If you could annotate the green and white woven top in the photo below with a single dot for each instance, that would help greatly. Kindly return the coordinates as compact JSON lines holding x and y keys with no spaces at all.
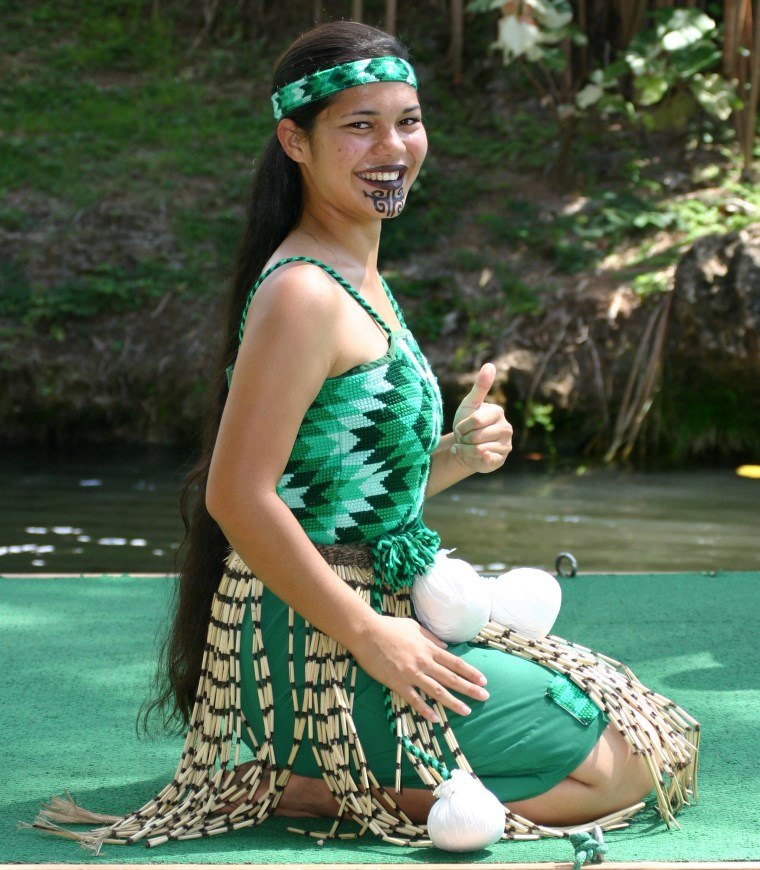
{"x":361,"y":458}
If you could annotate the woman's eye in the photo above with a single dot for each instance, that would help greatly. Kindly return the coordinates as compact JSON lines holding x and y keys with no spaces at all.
{"x":408,"y":122}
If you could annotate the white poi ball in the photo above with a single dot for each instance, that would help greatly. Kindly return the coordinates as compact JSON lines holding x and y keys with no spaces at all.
{"x":526,"y":600}
{"x":466,"y":816}
{"x":452,"y":599}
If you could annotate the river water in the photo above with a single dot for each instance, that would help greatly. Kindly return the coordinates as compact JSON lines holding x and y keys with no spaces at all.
{"x":117,"y":511}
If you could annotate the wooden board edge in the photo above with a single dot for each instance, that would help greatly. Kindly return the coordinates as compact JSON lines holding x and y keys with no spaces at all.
{"x":25,"y":575}
{"x":565,"y":865}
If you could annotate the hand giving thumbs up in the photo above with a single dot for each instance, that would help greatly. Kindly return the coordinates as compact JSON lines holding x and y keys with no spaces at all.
{"x":482,"y":434}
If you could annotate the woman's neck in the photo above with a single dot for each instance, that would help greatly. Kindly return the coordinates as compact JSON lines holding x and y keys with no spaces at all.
{"x":347,"y":243}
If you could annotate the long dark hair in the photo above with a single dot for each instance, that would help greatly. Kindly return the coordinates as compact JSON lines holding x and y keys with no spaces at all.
{"x":274,"y":208}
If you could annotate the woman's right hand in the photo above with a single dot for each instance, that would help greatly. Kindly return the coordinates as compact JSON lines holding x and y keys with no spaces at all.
{"x":406,"y":657}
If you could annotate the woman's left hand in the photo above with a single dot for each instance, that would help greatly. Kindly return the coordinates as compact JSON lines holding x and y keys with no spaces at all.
{"x":482,"y":434}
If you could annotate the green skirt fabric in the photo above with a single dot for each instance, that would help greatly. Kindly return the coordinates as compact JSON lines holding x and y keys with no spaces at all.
{"x":520,"y":742}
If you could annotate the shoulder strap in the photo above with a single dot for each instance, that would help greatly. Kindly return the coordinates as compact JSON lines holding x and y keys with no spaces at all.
{"x":329,"y":269}
{"x":396,"y":306}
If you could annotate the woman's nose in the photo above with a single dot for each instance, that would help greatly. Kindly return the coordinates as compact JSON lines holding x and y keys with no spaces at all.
{"x":389,"y":140}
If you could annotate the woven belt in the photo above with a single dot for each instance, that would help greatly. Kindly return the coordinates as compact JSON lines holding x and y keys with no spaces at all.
{"x":354,"y":555}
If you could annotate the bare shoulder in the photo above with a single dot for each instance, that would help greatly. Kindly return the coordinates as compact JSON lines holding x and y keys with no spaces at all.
{"x":293,"y":317}
{"x":297,"y":290}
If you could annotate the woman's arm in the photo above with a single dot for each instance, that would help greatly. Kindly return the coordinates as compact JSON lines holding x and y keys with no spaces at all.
{"x":446,"y":468}
{"x":290,"y":342}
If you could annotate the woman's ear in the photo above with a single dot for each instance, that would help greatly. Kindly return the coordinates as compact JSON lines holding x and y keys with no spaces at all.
{"x":293,"y":140}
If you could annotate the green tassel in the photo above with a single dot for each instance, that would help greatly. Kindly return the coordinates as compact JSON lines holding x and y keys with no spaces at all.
{"x":399,"y":556}
{"x":588,"y":848}
{"x":377,"y":603}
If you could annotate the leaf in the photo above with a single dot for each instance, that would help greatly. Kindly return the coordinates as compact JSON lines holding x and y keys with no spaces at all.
{"x":713,"y":94}
{"x":636,"y":62}
{"x":551,"y":15}
{"x":555,"y":59}
{"x":612,"y":104}
{"x":483,"y":5}
{"x":650,"y":89}
{"x":695,"y":58}
{"x":613,"y":72}
{"x":516,"y":38}
{"x":588,"y":96}
{"x":678,"y":28}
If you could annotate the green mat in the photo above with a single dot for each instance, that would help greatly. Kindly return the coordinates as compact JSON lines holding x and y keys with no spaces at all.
{"x":77,"y":654}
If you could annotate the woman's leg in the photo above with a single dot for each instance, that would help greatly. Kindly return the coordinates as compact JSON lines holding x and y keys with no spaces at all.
{"x":610,"y":778}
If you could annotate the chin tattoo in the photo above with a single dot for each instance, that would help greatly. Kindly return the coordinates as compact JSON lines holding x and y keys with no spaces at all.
{"x":388,"y":202}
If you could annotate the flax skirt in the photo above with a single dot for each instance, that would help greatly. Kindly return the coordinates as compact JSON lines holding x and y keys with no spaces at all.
{"x":550,"y":701}
{"x":520,"y":742}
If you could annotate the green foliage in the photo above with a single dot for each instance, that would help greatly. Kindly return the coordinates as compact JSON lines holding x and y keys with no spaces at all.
{"x":110,"y":36}
{"x":14,"y":219}
{"x":701,"y":214}
{"x":482,"y":313}
{"x":669,"y":66}
{"x":107,"y":289}
{"x":537,"y":39}
{"x":486,"y":313}
{"x":707,"y":416}
{"x":98,"y":97}
{"x":120,"y":40}
{"x":650,"y":284}
{"x":69,"y":143}
{"x":209,"y":239}
{"x":539,"y":416}
{"x":574,"y":242}
{"x":14,"y":287}
{"x":466,"y":259}
{"x":432,"y":301}
{"x":517,"y":297}
{"x":672,"y":66}
{"x":99,"y":102}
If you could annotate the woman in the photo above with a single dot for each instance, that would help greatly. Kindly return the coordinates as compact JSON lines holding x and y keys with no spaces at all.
{"x":323,"y":442}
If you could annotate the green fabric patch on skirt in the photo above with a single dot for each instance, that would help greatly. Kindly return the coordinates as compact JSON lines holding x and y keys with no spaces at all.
{"x":570,"y":697}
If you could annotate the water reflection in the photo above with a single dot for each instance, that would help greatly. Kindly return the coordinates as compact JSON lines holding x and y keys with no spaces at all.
{"x":118,"y":512}
{"x":109,"y":511}
{"x":610,"y":520}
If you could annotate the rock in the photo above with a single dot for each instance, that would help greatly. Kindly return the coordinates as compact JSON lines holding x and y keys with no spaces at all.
{"x":715,"y":316}
{"x":711,"y":375}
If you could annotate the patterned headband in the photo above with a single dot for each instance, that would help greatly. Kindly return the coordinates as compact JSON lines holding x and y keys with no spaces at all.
{"x":320,"y":84}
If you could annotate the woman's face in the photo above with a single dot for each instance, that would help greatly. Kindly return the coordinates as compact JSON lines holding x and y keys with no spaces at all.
{"x":366,"y":150}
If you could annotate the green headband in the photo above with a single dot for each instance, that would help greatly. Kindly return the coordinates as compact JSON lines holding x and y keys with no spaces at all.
{"x":320,"y":84}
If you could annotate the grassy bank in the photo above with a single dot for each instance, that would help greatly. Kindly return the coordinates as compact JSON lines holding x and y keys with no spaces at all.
{"x":125,"y":159}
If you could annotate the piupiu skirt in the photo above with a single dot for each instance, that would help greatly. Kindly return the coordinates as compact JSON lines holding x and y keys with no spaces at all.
{"x":550,"y":700}
{"x":520,"y":741}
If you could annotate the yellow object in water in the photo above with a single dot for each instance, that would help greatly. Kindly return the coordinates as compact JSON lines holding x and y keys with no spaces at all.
{"x":752,"y":471}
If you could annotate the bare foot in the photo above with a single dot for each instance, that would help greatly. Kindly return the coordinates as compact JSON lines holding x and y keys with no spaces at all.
{"x":309,"y":797}
{"x":304,"y":797}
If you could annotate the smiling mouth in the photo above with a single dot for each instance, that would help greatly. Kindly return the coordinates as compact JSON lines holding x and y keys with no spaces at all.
{"x":385,"y":179}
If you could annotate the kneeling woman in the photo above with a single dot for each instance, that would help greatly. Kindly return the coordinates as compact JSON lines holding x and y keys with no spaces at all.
{"x":294,"y":633}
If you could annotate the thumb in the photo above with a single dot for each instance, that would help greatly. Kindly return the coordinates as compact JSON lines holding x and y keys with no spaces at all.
{"x":483,"y":383}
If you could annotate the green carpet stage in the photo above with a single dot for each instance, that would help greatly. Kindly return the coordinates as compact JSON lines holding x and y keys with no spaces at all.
{"x":78,"y":652}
